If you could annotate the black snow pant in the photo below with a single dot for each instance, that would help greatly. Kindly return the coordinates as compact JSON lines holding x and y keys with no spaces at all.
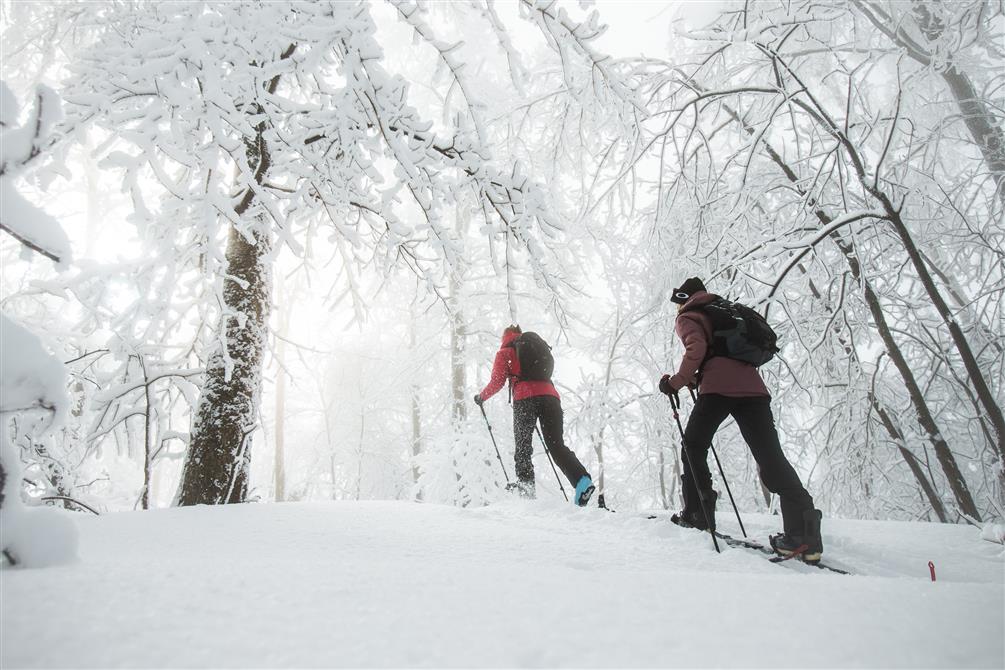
{"x":757,"y":426}
{"x":548,"y":410}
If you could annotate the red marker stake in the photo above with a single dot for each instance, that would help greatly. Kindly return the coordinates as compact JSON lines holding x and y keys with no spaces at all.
{"x":931,"y":569}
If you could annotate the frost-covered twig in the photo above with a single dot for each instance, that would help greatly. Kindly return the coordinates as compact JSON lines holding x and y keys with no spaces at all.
{"x":411,"y":12}
{"x":73,"y":501}
{"x":562,"y":31}
{"x":19,"y":146}
{"x":37,"y":248}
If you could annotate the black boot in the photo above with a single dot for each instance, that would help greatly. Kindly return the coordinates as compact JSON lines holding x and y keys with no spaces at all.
{"x":809,"y":546}
{"x":691,"y":516}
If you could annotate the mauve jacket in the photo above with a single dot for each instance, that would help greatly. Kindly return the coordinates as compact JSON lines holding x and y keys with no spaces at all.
{"x":507,"y":366}
{"x":721,"y":375}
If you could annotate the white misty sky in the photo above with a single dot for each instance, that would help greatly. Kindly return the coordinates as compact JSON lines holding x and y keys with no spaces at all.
{"x":645,"y":28}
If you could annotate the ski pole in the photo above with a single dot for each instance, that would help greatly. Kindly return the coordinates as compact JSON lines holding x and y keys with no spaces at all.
{"x":498,"y":455}
{"x":674,"y":403}
{"x":722,"y":474}
{"x":552,"y":461}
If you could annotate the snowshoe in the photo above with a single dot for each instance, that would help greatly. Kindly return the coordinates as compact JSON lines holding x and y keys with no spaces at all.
{"x":809,"y":546}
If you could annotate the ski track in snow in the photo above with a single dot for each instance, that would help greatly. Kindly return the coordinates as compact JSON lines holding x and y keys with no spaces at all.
{"x":515,"y":584}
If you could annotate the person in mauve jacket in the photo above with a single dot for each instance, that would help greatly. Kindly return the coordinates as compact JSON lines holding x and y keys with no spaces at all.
{"x":533,"y":401}
{"x":728,"y":387}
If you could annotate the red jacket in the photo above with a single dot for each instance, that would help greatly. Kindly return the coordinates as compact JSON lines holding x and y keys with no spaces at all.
{"x":720,"y":375}
{"x":507,"y":366}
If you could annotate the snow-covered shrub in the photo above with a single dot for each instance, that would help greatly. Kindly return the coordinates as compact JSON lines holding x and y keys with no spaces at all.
{"x":31,"y":380}
{"x":460,"y":467}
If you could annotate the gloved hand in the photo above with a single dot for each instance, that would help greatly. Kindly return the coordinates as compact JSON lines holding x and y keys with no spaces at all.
{"x":666,"y":388}
{"x":478,"y":399}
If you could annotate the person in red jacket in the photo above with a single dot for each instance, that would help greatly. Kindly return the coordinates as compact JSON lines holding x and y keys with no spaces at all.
{"x":728,"y":387}
{"x":534,"y":401}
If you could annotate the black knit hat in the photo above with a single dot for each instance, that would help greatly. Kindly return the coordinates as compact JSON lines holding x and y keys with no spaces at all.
{"x":687,"y":289}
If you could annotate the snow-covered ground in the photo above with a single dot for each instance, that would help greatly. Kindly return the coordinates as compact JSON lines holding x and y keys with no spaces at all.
{"x":513,"y":584}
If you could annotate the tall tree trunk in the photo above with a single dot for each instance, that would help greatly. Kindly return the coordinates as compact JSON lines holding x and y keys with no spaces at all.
{"x":925,"y":416}
{"x":458,"y":337}
{"x":598,"y":449}
{"x":287,"y":298}
{"x":416,"y":410}
{"x":984,"y":128}
{"x":279,"y":469}
{"x":992,"y":410}
{"x":987,"y":136}
{"x":216,"y":467}
{"x":664,"y":493}
{"x":147,"y":447}
{"x":416,"y":442}
{"x":458,"y":327}
{"x":910,"y":459}
{"x":219,"y":454}
{"x":359,"y":461}
{"x":598,"y":438}
{"x":896,"y":435}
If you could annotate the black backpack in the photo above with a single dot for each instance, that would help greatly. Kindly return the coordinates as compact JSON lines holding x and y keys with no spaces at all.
{"x":534,"y":354}
{"x":740,"y":333}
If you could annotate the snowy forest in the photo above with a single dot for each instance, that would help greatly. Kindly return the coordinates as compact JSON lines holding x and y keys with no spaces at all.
{"x":264,"y":251}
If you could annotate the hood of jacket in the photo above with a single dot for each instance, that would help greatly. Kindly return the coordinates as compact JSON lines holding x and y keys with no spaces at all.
{"x":698,"y":299}
{"x":507,"y":339}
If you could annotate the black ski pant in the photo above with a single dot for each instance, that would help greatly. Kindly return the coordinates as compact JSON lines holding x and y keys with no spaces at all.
{"x":757,"y":426}
{"x":548,"y":410}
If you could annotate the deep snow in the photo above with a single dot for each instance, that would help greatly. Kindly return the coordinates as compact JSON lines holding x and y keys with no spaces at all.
{"x":513,"y":584}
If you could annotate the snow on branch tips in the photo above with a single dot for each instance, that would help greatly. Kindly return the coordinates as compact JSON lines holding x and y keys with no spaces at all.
{"x":566,"y":35}
{"x":19,"y":146}
{"x":31,"y":378}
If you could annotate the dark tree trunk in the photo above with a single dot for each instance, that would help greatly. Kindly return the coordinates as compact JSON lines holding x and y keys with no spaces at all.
{"x":984,"y":128}
{"x":925,"y":416}
{"x":992,"y":410}
{"x":147,"y":451}
{"x":216,"y":469}
{"x":896,"y":435}
{"x":216,"y":466}
{"x":910,"y":459}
